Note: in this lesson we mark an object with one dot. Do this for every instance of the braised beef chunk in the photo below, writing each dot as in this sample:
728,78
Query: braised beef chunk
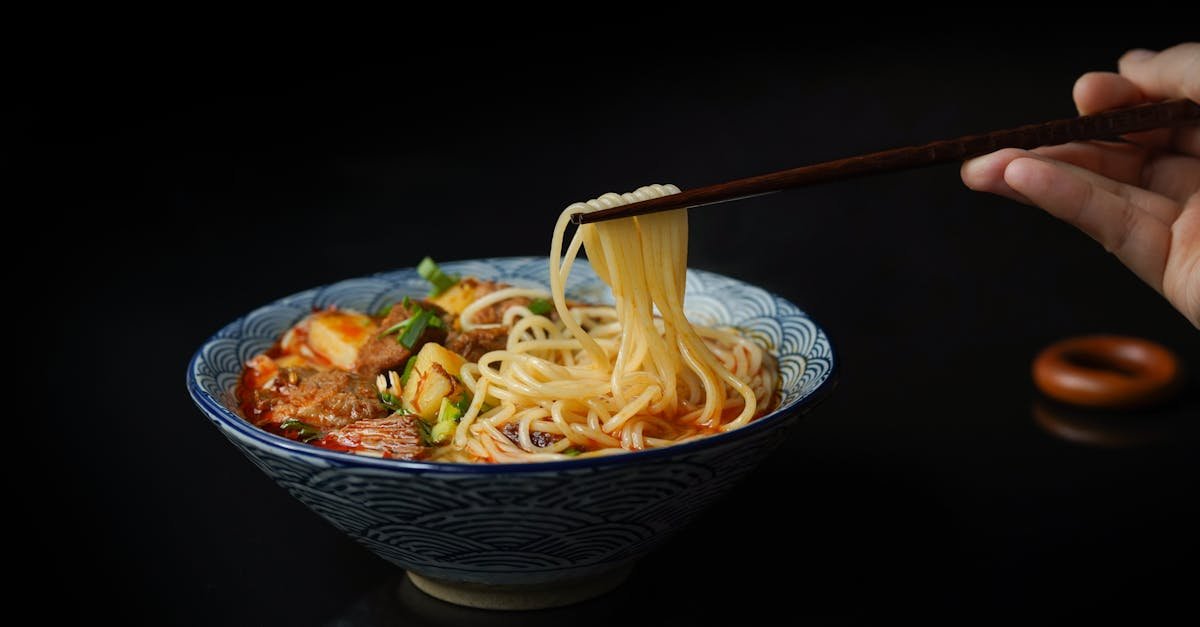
473,344
540,439
396,436
495,313
380,354
323,399
385,352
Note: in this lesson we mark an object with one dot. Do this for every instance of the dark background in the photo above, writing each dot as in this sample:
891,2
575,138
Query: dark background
181,189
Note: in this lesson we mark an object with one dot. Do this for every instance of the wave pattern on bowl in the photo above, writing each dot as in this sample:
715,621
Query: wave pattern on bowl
547,525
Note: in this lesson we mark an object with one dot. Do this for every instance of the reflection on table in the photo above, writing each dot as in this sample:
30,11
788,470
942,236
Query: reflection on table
396,601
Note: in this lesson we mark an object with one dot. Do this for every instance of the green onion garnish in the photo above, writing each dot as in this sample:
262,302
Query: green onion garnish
415,328
572,452
399,326
305,431
540,306
424,428
390,401
429,270
384,311
408,368
464,402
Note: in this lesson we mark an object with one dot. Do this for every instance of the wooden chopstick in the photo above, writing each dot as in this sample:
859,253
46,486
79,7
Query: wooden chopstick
1109,124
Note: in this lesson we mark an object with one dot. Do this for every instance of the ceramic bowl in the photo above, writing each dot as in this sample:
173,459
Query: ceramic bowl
516,535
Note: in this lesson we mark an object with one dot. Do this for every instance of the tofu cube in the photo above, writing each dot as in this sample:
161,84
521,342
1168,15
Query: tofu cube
337,336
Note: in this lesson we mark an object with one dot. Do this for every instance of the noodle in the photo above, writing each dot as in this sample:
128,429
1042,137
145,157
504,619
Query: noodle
632,376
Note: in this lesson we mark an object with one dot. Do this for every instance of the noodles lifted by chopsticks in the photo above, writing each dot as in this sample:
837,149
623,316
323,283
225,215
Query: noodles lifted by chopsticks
600,379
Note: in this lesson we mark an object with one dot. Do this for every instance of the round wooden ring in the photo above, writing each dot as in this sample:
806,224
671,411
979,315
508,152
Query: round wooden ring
1107,371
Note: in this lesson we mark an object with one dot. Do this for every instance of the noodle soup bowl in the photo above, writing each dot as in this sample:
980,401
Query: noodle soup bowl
517,535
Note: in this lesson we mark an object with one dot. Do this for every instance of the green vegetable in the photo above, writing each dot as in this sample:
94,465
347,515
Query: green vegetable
399,326
424,432
415,328
390,401
430,271
572,452
304,431
408,368
447,418
407,303
384,311
463,404
449,411
540,306
442,432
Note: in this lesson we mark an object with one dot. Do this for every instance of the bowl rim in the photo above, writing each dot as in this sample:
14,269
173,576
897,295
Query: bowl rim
230,420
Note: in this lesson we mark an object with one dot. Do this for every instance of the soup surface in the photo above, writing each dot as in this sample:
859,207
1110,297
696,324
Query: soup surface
398,383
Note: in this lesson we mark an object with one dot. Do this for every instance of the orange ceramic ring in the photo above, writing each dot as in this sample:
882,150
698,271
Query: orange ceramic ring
1107,372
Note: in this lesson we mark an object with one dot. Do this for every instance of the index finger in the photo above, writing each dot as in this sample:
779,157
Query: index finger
1172,73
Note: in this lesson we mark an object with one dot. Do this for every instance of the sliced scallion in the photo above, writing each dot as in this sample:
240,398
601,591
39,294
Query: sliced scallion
463,403
413,331
429,270
390,401
399,326
304,431
408,368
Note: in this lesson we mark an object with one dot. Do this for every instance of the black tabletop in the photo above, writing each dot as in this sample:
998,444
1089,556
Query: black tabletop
182,195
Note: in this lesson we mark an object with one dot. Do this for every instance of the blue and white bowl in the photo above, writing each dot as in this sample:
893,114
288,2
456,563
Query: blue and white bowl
516,535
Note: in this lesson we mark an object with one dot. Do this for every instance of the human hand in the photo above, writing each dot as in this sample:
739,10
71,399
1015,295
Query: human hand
1141,199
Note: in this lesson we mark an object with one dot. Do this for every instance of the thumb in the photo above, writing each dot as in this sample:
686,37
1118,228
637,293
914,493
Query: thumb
1172,73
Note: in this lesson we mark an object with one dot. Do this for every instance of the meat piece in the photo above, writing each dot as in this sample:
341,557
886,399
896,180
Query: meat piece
473,344
324,399
380,354
385,352
540,439
396,437
494,314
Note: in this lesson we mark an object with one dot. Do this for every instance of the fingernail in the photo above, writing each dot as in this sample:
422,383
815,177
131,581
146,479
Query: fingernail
1138,55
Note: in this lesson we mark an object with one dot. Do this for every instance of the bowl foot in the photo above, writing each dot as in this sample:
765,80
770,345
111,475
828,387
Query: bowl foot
520,597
